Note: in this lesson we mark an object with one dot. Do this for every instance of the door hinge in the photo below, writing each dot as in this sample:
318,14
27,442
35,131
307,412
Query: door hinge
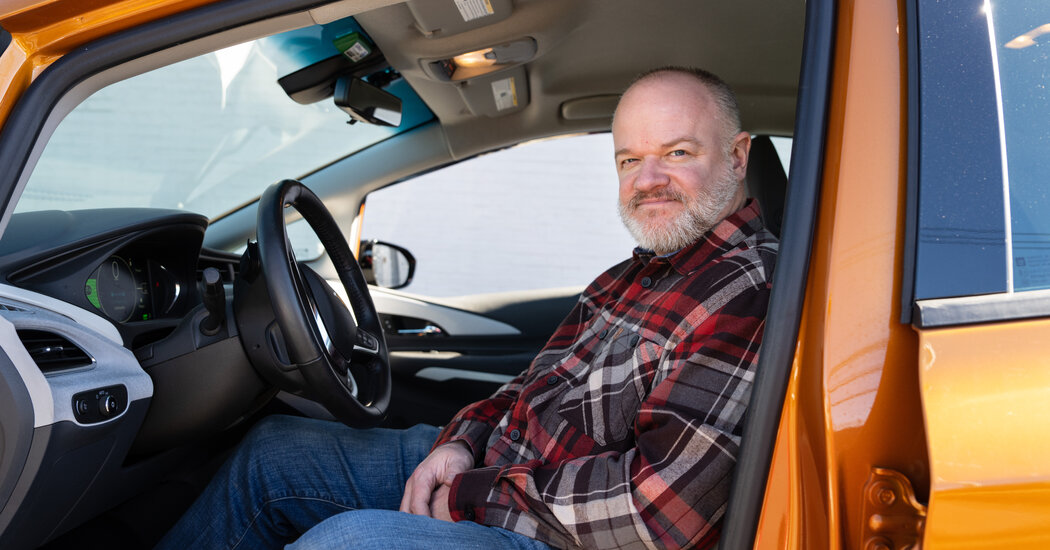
894,519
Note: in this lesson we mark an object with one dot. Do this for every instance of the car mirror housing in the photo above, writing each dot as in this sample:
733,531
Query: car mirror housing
386,265
367,103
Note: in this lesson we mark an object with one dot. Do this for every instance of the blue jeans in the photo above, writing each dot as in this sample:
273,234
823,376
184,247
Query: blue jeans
324,485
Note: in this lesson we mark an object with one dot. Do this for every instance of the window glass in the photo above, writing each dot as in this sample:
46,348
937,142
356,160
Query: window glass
205,135
983,220
1022,31
541,215
961,247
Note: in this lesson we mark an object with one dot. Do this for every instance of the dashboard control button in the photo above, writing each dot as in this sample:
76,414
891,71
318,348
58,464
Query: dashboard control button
108,405
100,404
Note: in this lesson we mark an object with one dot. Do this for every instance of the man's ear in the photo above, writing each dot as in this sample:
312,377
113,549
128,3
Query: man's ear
738,154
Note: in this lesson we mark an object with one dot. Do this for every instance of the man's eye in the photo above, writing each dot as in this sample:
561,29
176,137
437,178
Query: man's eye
678,153
627,162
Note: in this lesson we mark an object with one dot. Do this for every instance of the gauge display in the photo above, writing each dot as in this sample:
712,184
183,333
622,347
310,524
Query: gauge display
120,289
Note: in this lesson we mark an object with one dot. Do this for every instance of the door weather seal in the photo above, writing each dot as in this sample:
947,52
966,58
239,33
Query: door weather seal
789,281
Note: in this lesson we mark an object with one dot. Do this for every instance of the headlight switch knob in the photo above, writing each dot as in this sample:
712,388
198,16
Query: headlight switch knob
108,405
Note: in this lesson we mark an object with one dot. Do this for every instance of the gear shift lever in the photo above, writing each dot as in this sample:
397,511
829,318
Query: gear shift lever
214,302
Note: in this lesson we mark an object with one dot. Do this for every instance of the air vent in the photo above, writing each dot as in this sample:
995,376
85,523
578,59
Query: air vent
9,307
53,353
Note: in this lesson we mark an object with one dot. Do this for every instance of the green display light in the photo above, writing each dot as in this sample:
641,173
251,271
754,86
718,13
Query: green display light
91,289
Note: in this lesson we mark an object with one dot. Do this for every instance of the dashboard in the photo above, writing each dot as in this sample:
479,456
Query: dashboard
135,267
104,372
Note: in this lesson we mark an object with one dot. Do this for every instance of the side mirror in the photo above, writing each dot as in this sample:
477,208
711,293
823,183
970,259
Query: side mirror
367,103
386,265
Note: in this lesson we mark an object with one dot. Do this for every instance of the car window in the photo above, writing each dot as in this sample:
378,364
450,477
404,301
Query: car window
540,215
1022,31
983,224
206,134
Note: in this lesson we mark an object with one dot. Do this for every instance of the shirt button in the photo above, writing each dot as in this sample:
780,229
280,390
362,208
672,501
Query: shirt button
515,435
603,334
468,513
646,282
635,339
552,380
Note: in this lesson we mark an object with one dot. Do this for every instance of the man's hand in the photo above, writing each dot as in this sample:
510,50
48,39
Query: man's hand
436,472
439,503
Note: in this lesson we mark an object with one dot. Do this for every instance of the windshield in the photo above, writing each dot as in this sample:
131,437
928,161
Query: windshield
205,135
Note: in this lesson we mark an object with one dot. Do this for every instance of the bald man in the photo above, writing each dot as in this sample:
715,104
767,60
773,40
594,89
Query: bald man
623,431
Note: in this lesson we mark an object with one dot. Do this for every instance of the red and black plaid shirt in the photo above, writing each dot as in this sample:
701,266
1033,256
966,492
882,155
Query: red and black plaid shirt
623,432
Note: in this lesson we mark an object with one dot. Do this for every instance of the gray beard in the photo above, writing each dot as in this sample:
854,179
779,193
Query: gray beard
700,215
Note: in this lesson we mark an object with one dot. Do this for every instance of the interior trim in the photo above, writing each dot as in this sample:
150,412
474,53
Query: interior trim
789,280
32,378
444,374
52,394
454,322
86,318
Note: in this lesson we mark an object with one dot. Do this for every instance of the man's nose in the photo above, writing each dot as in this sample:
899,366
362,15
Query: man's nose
652,175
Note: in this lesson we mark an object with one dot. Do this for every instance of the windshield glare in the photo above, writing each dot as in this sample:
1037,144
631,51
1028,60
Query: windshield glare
204,135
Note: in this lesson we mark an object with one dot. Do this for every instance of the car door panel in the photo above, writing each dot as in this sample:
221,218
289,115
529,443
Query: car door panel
984,394
447,353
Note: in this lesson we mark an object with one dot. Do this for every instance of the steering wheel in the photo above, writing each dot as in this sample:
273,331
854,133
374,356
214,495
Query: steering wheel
343,360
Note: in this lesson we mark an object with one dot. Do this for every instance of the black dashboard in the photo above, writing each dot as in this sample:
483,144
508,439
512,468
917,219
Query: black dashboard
105,375
138,268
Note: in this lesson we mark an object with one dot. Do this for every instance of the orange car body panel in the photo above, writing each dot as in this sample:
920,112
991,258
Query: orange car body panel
865,390
853,401
986,389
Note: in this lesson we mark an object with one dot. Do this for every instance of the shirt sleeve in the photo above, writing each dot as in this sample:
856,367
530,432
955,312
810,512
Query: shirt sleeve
474,423
670,490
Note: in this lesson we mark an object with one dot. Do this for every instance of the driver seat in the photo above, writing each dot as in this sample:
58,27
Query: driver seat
767,182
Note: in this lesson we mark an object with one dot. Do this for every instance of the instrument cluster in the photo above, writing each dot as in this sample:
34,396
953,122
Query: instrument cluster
128,289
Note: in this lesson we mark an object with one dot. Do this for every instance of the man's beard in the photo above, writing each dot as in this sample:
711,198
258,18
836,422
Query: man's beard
701,213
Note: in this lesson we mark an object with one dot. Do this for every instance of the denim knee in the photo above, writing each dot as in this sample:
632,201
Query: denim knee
269,442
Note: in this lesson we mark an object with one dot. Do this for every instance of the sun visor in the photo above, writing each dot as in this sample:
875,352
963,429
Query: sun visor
309,60
447,17
496,94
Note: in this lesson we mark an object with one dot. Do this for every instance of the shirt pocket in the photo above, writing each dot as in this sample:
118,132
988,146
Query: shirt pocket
604,399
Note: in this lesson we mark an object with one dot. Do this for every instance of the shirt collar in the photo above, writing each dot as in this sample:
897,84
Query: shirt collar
728,234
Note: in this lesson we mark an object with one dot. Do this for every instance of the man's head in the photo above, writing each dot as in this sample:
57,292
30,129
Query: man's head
680,156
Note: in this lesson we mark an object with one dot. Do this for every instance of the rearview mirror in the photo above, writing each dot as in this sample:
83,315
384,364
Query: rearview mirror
386,265
367,103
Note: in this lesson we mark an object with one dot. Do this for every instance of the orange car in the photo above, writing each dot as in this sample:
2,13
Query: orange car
902,390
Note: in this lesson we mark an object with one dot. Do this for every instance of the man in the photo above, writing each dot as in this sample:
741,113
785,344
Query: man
622,432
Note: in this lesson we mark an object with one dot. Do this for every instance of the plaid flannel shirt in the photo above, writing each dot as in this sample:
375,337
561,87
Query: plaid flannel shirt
623,432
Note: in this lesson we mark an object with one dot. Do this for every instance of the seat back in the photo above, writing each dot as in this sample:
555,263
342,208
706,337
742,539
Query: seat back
767,182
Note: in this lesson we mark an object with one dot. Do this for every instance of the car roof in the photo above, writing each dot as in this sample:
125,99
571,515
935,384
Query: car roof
588,51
